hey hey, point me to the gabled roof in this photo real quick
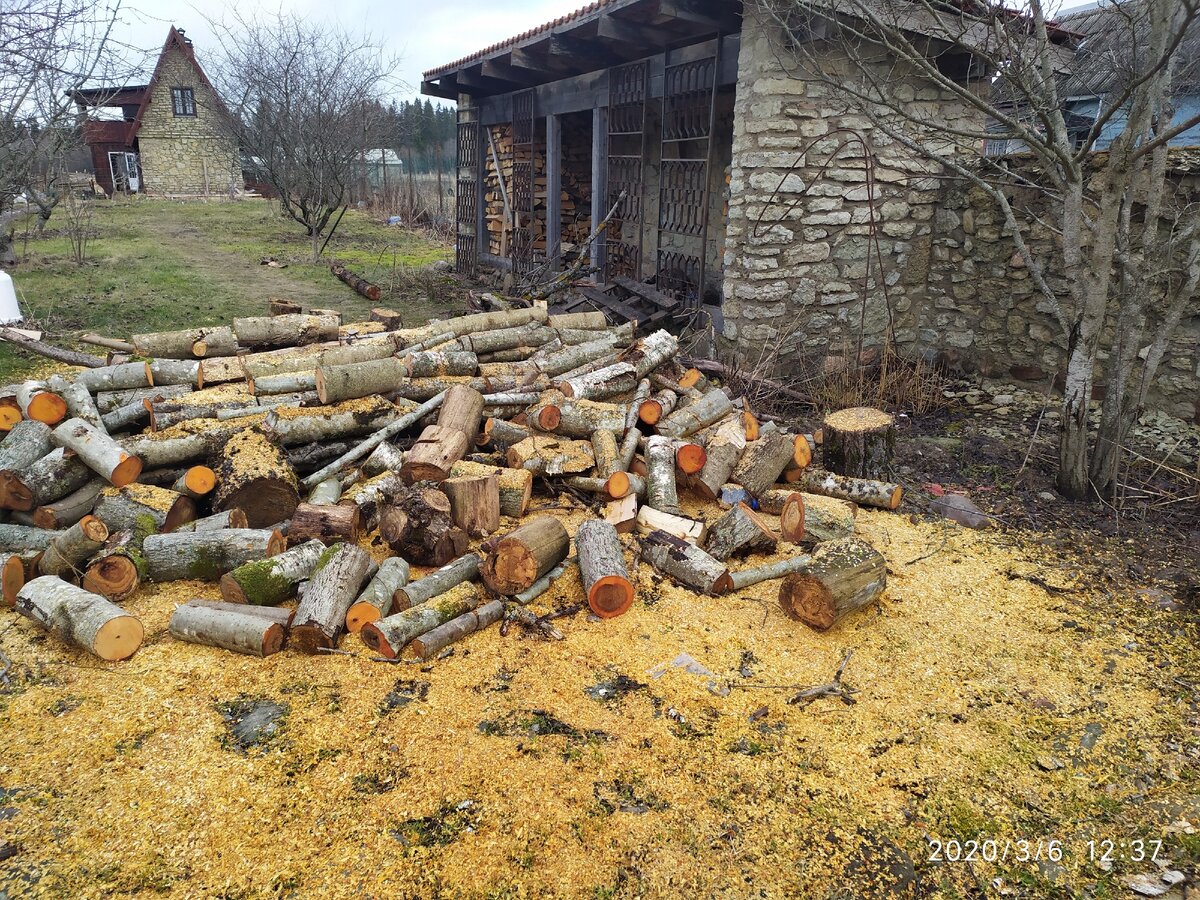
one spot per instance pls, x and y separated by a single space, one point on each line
176 40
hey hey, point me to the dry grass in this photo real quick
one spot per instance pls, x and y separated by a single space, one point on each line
883 379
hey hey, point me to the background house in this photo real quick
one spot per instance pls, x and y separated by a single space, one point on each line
166 137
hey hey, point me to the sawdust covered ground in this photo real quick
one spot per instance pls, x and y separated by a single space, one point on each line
494 773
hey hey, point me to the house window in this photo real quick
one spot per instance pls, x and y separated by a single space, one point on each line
183 99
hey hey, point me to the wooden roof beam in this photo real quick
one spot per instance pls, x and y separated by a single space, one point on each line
694 13
473 80
545 69
505 71
640 37
446 88
585 52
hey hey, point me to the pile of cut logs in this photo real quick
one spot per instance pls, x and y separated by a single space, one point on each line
264 456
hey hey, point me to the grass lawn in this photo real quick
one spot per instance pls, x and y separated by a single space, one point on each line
157 265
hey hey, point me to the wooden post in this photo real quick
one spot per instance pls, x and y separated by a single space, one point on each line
554 192
599 185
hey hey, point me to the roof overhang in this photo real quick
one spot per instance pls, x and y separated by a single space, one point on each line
607 33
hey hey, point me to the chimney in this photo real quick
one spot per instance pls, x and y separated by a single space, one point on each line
183 34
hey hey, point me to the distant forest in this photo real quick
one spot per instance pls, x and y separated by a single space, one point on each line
423 135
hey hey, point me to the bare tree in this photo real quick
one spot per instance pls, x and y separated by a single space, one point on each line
299 92
48 48
1129 235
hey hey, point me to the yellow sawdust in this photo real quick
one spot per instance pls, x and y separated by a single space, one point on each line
249 455
365 406
146 495
965 676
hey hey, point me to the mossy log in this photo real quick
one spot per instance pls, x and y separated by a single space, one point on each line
465 568
332 588
881 494
515 486
419 527
207 555
98 451
602 569
388 637
238 632
269 582
15 570
254 475
292 330
859 443
379 597
524 555
843 575
72 547
81 618
432 642
686 563
328 523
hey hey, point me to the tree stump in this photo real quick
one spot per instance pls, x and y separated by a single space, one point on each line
843 575
602 569
420 528
523 556
859 443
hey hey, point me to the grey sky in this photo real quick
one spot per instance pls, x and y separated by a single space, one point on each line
424 33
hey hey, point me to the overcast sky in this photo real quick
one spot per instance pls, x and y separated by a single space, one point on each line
424 33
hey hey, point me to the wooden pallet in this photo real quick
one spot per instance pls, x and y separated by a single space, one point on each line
624 300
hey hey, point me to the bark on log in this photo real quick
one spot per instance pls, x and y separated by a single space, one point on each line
207 555
591 321
576 418
269 582
433 455
197 482
474 503
763 461
686 563
622 514
98 451
352 418
10 410
661 493
80 404
327 492
529 335
26 443
279 614
498 434
419 528
230 518
36 402
239 632
127 376
373 497
724 450
175 371
333 587
551 456
71 548
857 490
629 447
389 636
524 555
81 618
465 568
650 520
748 577
108 401
50 478
255 476
190 343
859 443
19 538
710 408
653 409
544 583
653 351
362 379
843 576
619 378
440 363
31 345
384 458
640 396
143 509
515 486
287 383
15 570
810 517
329 524
462 409
606 452
357 282
378 598
740 530
437 639
602 569
285 331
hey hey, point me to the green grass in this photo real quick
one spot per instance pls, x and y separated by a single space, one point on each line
156 265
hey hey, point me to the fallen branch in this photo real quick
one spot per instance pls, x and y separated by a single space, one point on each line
835 688
70 357
564 279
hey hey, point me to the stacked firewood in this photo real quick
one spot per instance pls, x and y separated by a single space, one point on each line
260 456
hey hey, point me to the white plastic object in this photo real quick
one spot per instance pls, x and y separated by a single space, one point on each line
10 312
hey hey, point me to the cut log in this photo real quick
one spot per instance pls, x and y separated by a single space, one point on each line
791 509
10 410
724 449
653 409
515 486
606 452
629 447
329 524
640 396
108 401
351 418
498 434
751 427
686 563
281 615
551 456
359 284
284 331
255 476
230 518
15 570
591 321
333 587
80 404
463 569
175 371
661 493
81 618
187 344
433 455
269 582
859 443
843 576
618 378
689 457
40 404
26 443
576 418
544 583
474 503
373 497
327 492
378 599
762 461
622 514
419 528
117 570
740 530
652 351
440 363
19 538
389 318
651 520
857 490
693 379
462 409
124 416
710 408
239 632
621 484
802 452
524 555
384 458
388 637
207 555
437 639
602 569
810 517
51 478
361 379
126 376
107 343
287 383
748 577
281 306
71 548
98 451
197 482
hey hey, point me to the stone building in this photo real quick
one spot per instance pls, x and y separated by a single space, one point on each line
168 137
750 194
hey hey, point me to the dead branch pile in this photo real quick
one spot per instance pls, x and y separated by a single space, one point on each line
259 456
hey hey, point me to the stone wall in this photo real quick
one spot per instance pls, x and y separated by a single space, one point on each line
185 154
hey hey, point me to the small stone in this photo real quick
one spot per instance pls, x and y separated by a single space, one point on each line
1047 496
1004 399
1050 763
962 510
1003 411
1146 885
1091 734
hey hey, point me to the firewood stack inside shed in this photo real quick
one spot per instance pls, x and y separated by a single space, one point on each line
405 488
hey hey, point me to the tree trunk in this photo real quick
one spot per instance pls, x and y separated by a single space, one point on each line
419 528
602 569
686 563
842 576
207 555
498 434
80 404
474 503
661 493
652 410
81 618
331 590
865 493
650 520
98 451
50 478
515 486
143 509
71 548
191 343
286 383
723 451
197 482
859 443
748 577
175 371
329 524
239 632
388 637
440 363
619 378
255 477
285 331
740 531
379 598
269 582
521 557
710 408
